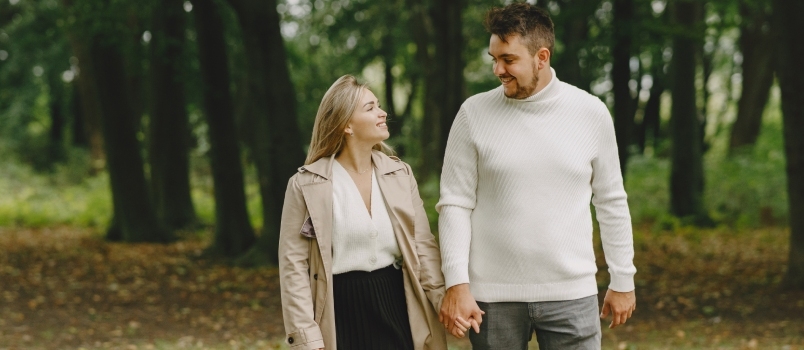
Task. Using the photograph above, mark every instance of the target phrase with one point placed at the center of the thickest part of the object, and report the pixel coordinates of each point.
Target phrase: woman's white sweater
(360, 242)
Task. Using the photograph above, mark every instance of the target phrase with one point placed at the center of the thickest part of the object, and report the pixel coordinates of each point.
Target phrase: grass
(33, 199)
(68, 195)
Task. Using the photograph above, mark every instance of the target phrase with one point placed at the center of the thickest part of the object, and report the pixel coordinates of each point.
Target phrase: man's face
(516, 68)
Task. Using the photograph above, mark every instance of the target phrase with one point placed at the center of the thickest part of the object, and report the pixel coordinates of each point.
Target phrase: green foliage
(64, 197)
(34, 57)
(327, 39)
(750, 189)
(745, 191)
(429, 191)
(68, 195)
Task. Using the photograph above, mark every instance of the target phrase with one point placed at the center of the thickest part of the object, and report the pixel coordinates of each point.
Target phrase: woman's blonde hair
(334, 113)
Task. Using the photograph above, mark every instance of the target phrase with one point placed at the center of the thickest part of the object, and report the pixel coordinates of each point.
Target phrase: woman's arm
(430, 275)
(294, 257)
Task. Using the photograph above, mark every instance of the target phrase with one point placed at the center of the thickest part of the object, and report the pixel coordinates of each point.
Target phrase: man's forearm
(455, 236)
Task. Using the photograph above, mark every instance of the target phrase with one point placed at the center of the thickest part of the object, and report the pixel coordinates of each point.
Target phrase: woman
(359, 268)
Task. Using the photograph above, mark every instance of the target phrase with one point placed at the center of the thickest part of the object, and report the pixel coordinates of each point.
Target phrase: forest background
(128, 123)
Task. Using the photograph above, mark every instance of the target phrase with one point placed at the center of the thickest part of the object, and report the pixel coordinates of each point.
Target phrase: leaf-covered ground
(63, 288)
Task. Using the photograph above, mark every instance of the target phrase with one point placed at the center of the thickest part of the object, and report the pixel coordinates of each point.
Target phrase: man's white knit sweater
(518, 176)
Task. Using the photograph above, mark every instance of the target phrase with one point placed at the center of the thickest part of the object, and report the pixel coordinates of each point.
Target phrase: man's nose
(499, 70)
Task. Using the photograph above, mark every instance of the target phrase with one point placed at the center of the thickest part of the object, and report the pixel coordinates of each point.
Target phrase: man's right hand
(459, 305)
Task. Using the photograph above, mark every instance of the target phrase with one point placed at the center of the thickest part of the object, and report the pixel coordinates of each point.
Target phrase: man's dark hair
(532, 23)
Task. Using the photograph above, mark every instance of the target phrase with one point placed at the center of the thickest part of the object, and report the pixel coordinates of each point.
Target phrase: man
(521, 164)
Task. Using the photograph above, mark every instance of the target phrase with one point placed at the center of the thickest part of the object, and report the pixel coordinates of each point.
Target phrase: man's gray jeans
(559, 325)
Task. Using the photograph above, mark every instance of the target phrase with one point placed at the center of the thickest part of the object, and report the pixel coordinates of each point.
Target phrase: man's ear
(543, 55)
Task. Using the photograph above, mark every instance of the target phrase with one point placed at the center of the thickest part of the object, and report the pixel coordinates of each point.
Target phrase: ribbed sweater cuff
(453, 277)
(622, 283)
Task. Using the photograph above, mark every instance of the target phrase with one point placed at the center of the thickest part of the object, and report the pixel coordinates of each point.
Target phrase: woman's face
(368, 121)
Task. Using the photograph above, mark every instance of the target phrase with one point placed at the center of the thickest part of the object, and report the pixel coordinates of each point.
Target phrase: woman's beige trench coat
(305, 255)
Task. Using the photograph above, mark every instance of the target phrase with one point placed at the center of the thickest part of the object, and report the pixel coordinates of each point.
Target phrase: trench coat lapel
(395, 187)
(318, 197)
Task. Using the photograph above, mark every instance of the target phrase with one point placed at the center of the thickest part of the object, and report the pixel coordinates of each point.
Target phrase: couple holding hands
(359, 267)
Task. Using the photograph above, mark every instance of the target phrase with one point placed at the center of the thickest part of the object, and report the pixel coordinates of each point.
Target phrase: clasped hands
(459, 311)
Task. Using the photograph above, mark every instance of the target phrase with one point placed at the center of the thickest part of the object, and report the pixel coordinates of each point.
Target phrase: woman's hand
(462, 326)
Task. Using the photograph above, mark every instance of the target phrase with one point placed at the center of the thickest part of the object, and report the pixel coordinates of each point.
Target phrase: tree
(651, 118)
(620, 76)
(275, 141)
(169, 130)
(788, 31)
(438, 25)
(686, 177)
(233, 232)
(388, 50)
(134, 217)
(756, 45)
(57, 117)
(572, 30)
(449, 63)
(421, 30)
(78, 126)
(86, 102)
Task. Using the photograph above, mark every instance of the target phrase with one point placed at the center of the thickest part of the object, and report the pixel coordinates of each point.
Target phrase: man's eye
(509, 61)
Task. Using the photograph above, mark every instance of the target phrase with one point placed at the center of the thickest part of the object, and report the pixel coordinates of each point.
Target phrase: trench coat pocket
(307, 229)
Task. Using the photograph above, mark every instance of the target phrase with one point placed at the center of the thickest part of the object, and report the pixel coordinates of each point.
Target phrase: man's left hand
(620, 305)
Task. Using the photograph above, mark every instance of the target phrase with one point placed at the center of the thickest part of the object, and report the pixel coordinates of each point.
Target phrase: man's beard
(524, 91)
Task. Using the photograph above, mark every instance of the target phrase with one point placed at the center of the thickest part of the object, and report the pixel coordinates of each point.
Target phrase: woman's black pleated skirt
(370, 310)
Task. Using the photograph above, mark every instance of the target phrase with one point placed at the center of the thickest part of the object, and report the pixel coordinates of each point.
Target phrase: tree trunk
(651, 118)
(89, 103)
(686, 178)
(169, 127)
(438, 25)
(78, 127)
(620, 76)
(432, 85)
(756, 45)
(788, 30)
(132, 206)
(57, 117)
(233, 232)
(133, 57)
(707, 66)
(394, 119)
(573, 30)
(277, 146)
(449, 50)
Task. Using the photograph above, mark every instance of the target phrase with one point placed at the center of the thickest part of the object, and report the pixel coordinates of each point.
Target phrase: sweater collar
(549, 92)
